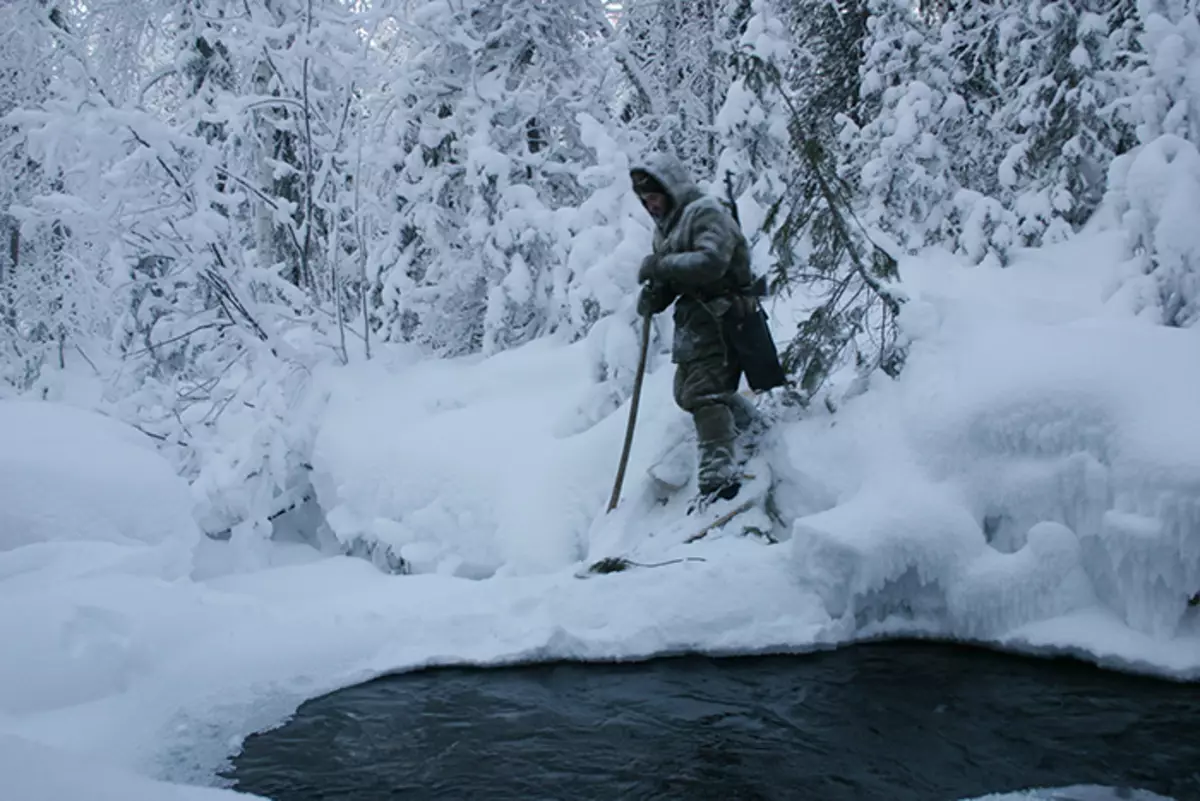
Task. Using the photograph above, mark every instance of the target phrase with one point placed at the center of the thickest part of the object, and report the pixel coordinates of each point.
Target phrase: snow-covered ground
(1032, 480)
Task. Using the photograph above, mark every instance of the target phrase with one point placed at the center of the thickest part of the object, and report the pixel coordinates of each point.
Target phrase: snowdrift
(1030, 481)
(1020, 470)
(90, 488)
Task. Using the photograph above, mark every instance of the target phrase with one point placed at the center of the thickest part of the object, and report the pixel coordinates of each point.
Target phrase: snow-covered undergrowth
(1031, 481)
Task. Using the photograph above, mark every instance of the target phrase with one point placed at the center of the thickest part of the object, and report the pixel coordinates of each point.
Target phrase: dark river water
(889, 721)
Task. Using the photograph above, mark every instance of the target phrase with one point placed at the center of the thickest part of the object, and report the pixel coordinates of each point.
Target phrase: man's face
(655, 203)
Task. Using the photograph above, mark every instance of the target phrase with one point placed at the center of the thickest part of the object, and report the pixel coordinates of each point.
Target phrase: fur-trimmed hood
(670, 172)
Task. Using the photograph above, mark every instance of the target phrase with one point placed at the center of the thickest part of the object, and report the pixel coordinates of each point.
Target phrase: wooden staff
(633, 409)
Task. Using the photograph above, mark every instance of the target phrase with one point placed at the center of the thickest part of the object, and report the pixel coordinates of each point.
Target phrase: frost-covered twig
(218, 324)
(229, 298)
(91, 363)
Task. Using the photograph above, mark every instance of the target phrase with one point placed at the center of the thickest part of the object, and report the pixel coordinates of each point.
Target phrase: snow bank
(885, 549)
(1033, 460)
(122, 493)
(472, 468)
(86, 508)
(96, 542)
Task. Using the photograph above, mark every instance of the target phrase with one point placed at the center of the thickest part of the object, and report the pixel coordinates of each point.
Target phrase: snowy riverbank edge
(1033, 407)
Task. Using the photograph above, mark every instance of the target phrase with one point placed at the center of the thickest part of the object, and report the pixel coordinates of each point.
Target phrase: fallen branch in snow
(161, 437)
(380, 554)
(226, 533)
(229, 300)
(618, 564)
(722, 520)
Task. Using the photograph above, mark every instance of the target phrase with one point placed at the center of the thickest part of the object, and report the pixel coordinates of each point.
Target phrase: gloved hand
(649, 269)
(646, 302)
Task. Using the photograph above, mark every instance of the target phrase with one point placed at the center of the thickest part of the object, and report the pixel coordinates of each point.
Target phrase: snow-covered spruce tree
(852, 276)
(487, 97)
(1035, 122)
(813, 51)
(972, 38)
(1155, 189)
(298, 77)
(171, 313)
(825, 72)
(755, 158)
(609, 235)
(816, 240)
(1060, 76)
(674, 56)
(899, 159)
(975, 124)
(279, 90)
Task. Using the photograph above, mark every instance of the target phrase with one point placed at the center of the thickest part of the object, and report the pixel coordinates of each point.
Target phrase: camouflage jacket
(703, 261)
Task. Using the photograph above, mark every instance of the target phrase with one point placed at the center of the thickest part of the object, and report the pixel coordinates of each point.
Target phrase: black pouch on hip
(749, 337)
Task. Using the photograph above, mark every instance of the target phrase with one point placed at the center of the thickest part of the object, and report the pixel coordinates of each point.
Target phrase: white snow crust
(1079, 792)
(36, 773)
(1031, 481)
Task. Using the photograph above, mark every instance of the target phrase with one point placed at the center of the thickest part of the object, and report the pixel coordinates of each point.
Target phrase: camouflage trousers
(707, 388)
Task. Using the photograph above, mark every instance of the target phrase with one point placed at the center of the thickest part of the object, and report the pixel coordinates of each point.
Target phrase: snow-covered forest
(204, 199)
(372, 264)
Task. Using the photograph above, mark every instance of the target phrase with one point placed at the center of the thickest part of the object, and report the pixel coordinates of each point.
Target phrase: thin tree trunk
(8, 312)
(306, 251)
(364, 288)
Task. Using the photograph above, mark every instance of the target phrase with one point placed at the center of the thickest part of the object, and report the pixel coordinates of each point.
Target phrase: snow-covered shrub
(1155, 192)
(899, 159)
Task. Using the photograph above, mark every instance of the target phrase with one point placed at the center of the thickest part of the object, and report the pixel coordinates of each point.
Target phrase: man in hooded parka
(701, 263)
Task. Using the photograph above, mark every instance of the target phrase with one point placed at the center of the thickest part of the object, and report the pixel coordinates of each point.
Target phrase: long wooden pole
(633, 410)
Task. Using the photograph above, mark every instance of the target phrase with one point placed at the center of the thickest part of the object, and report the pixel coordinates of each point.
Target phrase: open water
(895, 722)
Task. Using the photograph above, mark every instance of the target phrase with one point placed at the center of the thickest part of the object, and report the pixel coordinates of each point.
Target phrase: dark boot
(715, 434)
(703, 500)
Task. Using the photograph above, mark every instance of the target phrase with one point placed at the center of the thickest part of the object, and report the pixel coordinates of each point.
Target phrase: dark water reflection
(889, 721)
